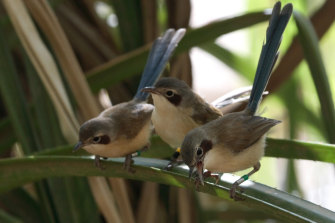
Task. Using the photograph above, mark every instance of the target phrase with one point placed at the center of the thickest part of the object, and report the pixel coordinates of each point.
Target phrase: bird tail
(159, 55)
(269, 53)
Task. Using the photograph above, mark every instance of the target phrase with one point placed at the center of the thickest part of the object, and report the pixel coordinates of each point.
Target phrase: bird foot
(174, 160)
(208, 174)
(98, 164)
(233, 194)
(205, 175)
(173, 163)
(146, 147)
(127, 164)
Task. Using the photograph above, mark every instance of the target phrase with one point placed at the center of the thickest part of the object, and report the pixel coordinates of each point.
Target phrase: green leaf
(234, 61)
(6, 218)
(20, 204)
(14, 99)
(278, 148)
(7, 137)
(130, 25)
(279, 204)
(310, 46)
(295, 149)
(132, 63)
(50, 135)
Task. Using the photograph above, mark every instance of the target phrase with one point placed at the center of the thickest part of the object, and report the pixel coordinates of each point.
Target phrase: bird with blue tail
(125, 129)
(236, 141)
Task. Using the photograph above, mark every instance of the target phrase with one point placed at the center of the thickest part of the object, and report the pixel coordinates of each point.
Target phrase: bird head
(193, 151)
(94, 133)
(170, 92)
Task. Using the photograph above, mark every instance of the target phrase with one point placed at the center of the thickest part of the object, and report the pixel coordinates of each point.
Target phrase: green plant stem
(279, 204)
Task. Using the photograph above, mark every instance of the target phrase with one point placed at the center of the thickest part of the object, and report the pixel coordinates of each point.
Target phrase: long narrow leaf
(132, 63)
(234, 61)
(6, 218)
(278, 204)
(278, 148)
(310, 45)
(7, 136)
(20, 204)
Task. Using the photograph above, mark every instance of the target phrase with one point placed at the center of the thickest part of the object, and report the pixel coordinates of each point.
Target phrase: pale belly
(171, 127)
(124, 146)
(223, 161)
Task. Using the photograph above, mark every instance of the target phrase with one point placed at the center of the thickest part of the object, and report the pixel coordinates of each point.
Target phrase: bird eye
(169, 93)
(199, 151)
(96, 139)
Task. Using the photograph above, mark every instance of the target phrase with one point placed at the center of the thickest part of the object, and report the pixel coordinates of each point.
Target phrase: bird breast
(171, 123)
(223, 160)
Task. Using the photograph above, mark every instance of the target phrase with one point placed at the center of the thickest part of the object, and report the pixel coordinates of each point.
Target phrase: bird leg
(146, 147)
(128, 162)
(205, 175)
(210, 174)
(97, 163)
(174, 160)
(235, 186)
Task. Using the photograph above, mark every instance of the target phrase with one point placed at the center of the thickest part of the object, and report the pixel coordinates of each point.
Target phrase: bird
(236, 141)
(125, 128)
(178, 109)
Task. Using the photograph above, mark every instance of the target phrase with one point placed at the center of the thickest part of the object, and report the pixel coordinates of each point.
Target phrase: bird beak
(79, 145)
(200, 170)
(190, 171)
(151, 90)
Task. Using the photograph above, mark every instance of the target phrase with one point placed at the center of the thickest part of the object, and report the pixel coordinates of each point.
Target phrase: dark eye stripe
(104, 139)
(175, 99)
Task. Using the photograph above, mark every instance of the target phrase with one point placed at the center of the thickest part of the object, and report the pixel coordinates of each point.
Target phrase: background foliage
(57, 57)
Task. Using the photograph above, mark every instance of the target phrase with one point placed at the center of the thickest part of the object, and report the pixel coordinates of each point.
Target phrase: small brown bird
(126, 128)
(178, 110)
(236, 141)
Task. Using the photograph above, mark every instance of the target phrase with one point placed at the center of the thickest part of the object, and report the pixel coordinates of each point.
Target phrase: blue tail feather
(159, 55)
(269, 53)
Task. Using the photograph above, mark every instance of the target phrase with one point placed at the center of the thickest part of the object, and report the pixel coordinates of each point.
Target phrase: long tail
(269, 53)
(159, 55)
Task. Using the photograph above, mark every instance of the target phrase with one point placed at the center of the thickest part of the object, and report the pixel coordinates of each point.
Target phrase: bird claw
(214, 176)
(97, 163)
(146, 147)
(197, 183)
(172, 164)
(127, 164)
(233, 194)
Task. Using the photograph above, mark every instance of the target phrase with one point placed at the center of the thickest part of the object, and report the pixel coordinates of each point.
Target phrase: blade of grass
(49, 74)
(44, 64)
(20, 204)
(19, 113)
(130, 23)
(132, 63)
(234, 61)
(51, 136)
(51, 27)
(277, 203)
(6, 218)
(47, 20)
(7, 136)
(310, 46)
(322, 21)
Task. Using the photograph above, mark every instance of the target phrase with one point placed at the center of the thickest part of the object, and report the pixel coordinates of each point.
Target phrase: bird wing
(204, 112)
(234, 101)
(238, 131)
(130, 118)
